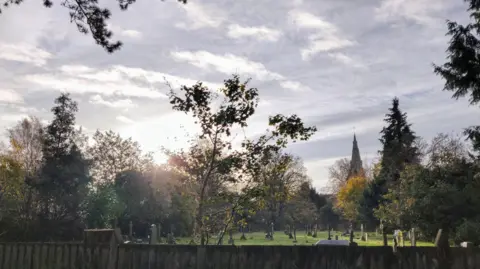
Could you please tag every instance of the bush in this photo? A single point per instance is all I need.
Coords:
(469, 231)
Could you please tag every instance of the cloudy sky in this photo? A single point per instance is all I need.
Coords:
(335, 63)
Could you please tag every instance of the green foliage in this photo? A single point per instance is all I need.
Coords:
(398, 144)
(468, 231)
(64, 175)
(102, 207)
(461, 71)
(213, 164)
(111, 155)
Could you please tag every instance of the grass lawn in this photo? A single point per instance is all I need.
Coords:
(280, 239)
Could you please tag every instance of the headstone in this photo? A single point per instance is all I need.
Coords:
(351, 236)
(153, 235)
(130, 230)
(466, 245)
(159, 233)
(362, 235)
(336, 237)
(366, 237)
(413, 239)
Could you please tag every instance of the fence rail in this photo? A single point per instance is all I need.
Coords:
(132, 256)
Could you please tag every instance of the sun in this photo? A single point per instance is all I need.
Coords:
(160, 158)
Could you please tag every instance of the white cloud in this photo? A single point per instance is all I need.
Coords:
(12, 117)
(131, 33)
(10, 96)
(419, 11)
(124, 119)
(294, 85)
(227, 64)
(121, 103)
(232, 64)
(24, 53)
(327, 37)
(200, 16)
(261, 32)
(345, 59)
(115, 80)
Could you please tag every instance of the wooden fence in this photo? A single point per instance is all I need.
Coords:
(132, 256)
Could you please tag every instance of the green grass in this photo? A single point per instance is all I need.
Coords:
(280, 239)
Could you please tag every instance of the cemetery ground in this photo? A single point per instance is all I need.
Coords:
(281, 239)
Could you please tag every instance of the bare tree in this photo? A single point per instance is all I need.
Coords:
(338, 174)
(444, 149)
(26, 143)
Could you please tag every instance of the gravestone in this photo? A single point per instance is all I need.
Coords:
(362, 233)
(413, 239)
(159, 233)
(130, 230)
(153, 235)
(466, 245)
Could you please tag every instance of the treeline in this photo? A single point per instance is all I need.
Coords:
(54, 183)
(414, 184)
(427, 186)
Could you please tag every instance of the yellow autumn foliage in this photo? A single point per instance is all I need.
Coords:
(349, 195)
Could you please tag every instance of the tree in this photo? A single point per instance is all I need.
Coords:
(111, 155)
(300, 210)
(338, 174)
(398, 142)
(282, 177)
(461, 71)
(349, 196)
(64, 175)
(219, 161)
(26, 143)
(89, 17)
(135, 193)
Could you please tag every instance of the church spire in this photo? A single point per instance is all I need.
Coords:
(356, 167)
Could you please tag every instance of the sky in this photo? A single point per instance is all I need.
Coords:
(335, 63)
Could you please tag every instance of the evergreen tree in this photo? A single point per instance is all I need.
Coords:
(462, 69)
(63, 177)
(398, 150)
(398, 142)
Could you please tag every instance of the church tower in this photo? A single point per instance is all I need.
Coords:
(356, 167)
